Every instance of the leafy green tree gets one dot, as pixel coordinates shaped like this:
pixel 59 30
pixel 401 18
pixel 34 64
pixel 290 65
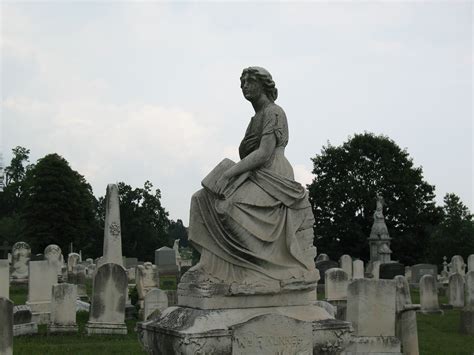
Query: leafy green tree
pixel 11 198
pixel 455 234
pixel 59 205
pixel 177 230
pixel 342 196
pixel 143 219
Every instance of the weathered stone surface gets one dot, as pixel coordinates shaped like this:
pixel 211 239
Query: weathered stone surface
pixel 322 257
pixel 429 295
pixel 182 330
pixel 6 326
pixel 470 263
pixel 346 264
pixel 328 307
pixel 165 256
pixel 42 277
pixel 107 314
pixel 456 290
pixel 371 309
pixel 406 327
pixel 73 259
pixel 155 299
pixel 418 270
pixel 457 265
pixel 54 255
pixel 388 271
pixel 146 279
pixel 336 284
pixel 357 269
pixel 469 288
pixel 63 309
pixel 467 313
pixel 23 321
pixel 323 266
pixel 4 278
pixel 112 228
pixel 376 270
pixel 21 253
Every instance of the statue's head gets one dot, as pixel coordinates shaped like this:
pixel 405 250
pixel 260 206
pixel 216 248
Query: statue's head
pixel 255 80
pixel 21 250
pixel 51 251
pixel 148 265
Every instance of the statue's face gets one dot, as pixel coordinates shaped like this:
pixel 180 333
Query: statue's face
pixel 251 87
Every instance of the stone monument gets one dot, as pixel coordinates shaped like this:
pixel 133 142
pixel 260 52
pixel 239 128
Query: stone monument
pixel 406 328
pixel 21 253
pixel 429 295
pixel 112 229
pixel 456 290
pixel 6 326
pixel 467 313
pixel 54 255
pixel 109 292
pixel 379 240
pixel 146 279
pixel 42 277
pixel 72 260
pixel 23 323
pixel 63 309
pixel 155 299
pixel 4 278
pixel 253 290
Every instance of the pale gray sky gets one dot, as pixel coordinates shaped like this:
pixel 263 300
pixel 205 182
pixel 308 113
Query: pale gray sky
pixel 135 91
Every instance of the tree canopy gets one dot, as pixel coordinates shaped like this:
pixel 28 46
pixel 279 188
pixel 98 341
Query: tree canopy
pixel 342 195
pixel 59 205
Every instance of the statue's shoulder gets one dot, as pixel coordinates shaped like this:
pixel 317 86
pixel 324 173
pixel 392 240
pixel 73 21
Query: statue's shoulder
pixel 274 109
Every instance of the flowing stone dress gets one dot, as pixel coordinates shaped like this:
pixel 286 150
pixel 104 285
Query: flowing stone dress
pixel 260 238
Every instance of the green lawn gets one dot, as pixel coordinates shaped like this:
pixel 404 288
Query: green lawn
pixel 437 334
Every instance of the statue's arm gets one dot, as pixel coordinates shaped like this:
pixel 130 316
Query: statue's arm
pixel 255 159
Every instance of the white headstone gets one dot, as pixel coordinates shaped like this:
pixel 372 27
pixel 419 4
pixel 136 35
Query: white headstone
pixel 470 262
pixel 6 326
pixel 112 228
pixel 336 282
pixel 155 299
pixel 357 269
pixel 53 254
pixel 429 294
pixel 371 309
pixel 21 253
pixel 42 277
pixel 469 301
pixel 457 265
pixel 456 290
pixel 72 260
pixel 4 278
pixel 63 309
pixel 109 292
pixel 346 265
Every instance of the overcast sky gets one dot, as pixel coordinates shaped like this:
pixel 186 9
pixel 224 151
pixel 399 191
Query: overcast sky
pixel 129 91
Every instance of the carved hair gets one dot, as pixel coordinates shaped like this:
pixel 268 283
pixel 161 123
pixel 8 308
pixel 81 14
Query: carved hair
pixel 265 78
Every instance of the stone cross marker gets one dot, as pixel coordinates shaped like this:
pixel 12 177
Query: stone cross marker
pixel 6 326
pixel 112 228
pixel 109 293
pixel 63 309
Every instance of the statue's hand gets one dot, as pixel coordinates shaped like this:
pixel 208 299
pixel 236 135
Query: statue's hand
pixel 221 184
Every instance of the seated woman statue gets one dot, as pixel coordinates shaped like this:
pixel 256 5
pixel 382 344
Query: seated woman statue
pixel 253 224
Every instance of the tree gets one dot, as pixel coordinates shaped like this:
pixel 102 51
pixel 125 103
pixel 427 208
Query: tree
pixel 11 198
pixel 455 234
pixel 342 196
pixel 177 230
pixel 59 205
pixel 143 220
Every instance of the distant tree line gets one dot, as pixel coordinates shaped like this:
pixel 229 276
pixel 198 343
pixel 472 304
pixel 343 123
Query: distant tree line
pixel 48 202
pixel 342 194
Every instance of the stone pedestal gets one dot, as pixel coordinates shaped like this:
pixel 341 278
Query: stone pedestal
pixel 467 322
pixel 263 330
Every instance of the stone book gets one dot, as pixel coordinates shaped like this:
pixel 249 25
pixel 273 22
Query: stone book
pixel 210 181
